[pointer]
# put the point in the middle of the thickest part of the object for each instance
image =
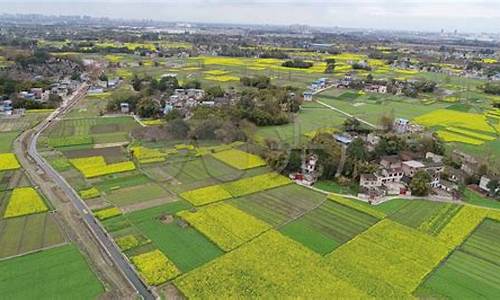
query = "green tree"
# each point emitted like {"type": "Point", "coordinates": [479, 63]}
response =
{"type": "Point", "coordinates": [419, 184]}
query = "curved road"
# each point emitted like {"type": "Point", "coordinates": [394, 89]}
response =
{"type": "Point", "coordinates": [97, 230]}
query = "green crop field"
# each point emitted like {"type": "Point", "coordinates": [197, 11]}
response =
{"type": "Point", "coordinates": [194, 173]}
{"type": "Point", "coordinates": [28, 233]}
{"type": "Point", "coordinates": [312, 116]}
{"type": "Point", "coordinates": [328, 226]}
{"type": "Point", "coordinates": [279, 205]}
{"type": "Point", "coordinates": [472, 271]}
{"type": "Point", "coordinates": [427, 216]}
{"type": "Point", "coordinates": [56, 273]}
{"type": "Point", "coordinates": [6, 140]}
{"type": "Point", "coordinates": [184, 246]}
{"type": "Point", "coordinates": [136, 194]}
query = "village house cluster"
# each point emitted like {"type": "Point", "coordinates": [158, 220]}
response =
{"type": "Point", "coordinates": [396, 171]}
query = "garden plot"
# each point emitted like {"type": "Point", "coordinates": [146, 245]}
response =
{"type": "Point", "coordinates": [429, 217]}
{"type": "Point", "coordinates": [61, 271]}
{"type": "Point", "coordinates": [472, 271]}
{"type": "Point", "coordinates": [28, 233]}
{"type": "Point", "coordinates": [183, 245]}
{"type": "Point", "coordinates": [328, 226]}
{"type": "Point", "coordinates": [271, 266]}
{"type": "Point", "coordinates": [225, 225]}
{"type": "Point", "coordinates": [389, 260]}
{"type": "Point", "coordinates": [280, 205]}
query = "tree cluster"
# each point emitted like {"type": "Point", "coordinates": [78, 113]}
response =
{"type": "Point", "coordinates": [297, 63]}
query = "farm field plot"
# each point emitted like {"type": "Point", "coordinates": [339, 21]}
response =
{"type": "Point", "coordinates": [96, 166]}
{"type": "Point", "coordinates": [28, 233]}
{"type": "Point", "coordinates": [239, 159]}
{"type": "Point", "coordinates": [250, 185]}
{"type": "Point", "coordinates": [267, 267]}
{"type": "Point", "coordinates": [312, 116]}
{"type": "Point", "coordinates": [328, 226]}
{"type": "Point", "coordinates": [110, 184]}
{"type": "Point", "coordinates": [370, 111]}
{"type": "Point", "coordinates": [472, 271]}
{"type": "Point", "coordinates": [225, 225]}
{"type": "Point", "coordinates": [184, 246]}
{"type": "Point", "coordinates": [206, 195]}
{"type": "Point", "coordinates": [24, 201]}
{"type": "Point", "coordinates": [429, 217]}
{"type": "Point", "coordinates": [60, 271]}
{"type": "Point", "coordinates": [8, 161]}
{"type": "Point", "coordinates": [446, 117]}
{"type": "Point", "coordinates": [22, 123]}
{"type": "Point", "coordinates": [461, 225]}
{"type": "Point", "coordinates": [154, 267]}
{"type": "Point", "coordinates": [473, 197]}
{"type": "Point", "coordinates": [110, 154]}
{"type": "Point", "coordinates": [388, 260]}
{"type": "Point", "coordinates": [279, 205]}
{"type": "Point", "coordinates": [6, 140]}
{"type": "Point", "coordinates": [136, 194]}
{"type": "Point", "coordinates": [195, 173]}
{"type": "Point", "coordinates": [101, 130]}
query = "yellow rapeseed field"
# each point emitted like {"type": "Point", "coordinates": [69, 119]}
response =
{"type": "Point", "coordinates": [148, 155]}
{"type": "Point", "coordinates": [449, 137]}
{"type": "Point", "coordinates": [446, 117]}
{"type": "Point", "coordinates": [95, 166]}
{"type": "Point", "coordinates": [107, 213]}
{"type": "Point", "coordinates": [225, 225]}
{"type": "Point", "coordinates": [24, 201]}
{"type": "Point", "coordinates": [8, 161]}
{"type": "Point", "coordinates": [206, 195]}
{"type": "Point", "coordinates": [155, 267]}
{"type": "Point", "coordinates": [93, 192]}
{"type": "Point", "coordinates": [239, 159]}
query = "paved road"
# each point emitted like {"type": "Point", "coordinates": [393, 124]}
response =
{"type": "Point", "coordinates": [99, 233]}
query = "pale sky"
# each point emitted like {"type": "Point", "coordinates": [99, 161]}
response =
{"type": "Point", "coordinates": [432, 15]}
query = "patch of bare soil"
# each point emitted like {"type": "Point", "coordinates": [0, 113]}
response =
{"type": "Point", "coordinates": [167, 219]}
{"type": "Point", "coordinates": [169, 291]}
{"type": "Point", "coordinates": [110, 154]}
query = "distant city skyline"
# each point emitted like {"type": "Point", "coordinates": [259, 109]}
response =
{"type": "Point", "coordinates": [423, 15]}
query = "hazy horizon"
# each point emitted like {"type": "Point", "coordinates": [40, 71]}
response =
{"type": "Point", "coordinates": [423, 15]}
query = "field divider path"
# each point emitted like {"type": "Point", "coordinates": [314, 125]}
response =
{"type": "Point", "coordinates": [339, 110]}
